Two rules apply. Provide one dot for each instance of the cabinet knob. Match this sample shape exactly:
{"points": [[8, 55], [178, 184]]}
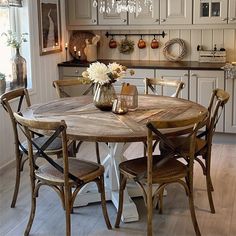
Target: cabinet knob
{"points": [[94, 21], [224, 19], [232, 19], [163, 20], [124, 20], [157, 20], [76, 72]]}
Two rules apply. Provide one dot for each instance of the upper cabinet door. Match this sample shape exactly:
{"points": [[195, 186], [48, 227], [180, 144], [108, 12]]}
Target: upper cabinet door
{"points": [[81, 12], [111, 17], [210, 11], [175, 12], [232, 12], [147, 16]]}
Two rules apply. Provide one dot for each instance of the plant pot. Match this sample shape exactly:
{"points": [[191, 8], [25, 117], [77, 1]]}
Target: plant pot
{"points": [[2, 86]]}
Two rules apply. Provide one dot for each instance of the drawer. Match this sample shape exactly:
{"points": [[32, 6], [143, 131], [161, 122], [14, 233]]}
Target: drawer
{"points": [[73, 71], [140, 73]]}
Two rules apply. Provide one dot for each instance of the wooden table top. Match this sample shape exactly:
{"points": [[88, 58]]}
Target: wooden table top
{"points": [[87, 123]]}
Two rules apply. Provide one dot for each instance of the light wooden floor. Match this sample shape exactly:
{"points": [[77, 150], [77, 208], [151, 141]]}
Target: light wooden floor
{"points": [[175, 220]]}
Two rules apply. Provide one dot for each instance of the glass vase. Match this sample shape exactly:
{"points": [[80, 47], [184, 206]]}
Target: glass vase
{"points": [[19, 73], [104, 96]]}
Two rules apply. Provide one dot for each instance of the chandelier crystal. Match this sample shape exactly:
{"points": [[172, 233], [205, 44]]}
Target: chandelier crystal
{"points": [[118, 6], [10, 3]]}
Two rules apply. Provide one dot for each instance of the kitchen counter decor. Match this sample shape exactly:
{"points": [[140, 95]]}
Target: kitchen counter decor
{"points": [[169, 44], [104, 77], [126, 46]]}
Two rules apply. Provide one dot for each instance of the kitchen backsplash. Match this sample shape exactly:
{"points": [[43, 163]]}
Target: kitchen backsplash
{"points": [[207, 38]]}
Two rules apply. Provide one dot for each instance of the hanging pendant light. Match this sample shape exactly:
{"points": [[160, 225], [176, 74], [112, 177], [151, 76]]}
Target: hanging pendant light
{"points": [[10, 3], [131, 6]]}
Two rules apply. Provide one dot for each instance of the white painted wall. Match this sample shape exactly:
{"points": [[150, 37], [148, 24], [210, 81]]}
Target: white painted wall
{"points": [[44, 68]]}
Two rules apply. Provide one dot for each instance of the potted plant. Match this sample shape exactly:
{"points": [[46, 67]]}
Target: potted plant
{"points": [[2, 83]]}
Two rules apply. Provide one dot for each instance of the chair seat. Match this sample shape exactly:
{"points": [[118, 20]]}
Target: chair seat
{"points": [[183, 144], [84, 170], [165, 170], [55, 146]]}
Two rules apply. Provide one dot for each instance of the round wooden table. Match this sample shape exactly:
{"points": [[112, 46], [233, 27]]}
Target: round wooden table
{"points": [[85, 122]]}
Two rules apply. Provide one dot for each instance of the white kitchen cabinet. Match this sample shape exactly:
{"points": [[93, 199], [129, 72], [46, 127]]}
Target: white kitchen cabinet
{"points": [[181, 75], [232, 12], [202, 83], [81, 12], [175, 12], [230, 107], [136, 79], [210, 11], [164, 12], [112, 17]]}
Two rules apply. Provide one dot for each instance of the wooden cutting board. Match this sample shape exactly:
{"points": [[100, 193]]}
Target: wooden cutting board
{"points": [[78, 39]]}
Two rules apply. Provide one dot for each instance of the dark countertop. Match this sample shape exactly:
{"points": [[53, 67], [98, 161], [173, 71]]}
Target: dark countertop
{"points": [[182, 65]]}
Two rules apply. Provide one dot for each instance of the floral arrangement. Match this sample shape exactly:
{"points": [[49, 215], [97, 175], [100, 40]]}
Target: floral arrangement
{"points": [[13, 40], [100, 73]]}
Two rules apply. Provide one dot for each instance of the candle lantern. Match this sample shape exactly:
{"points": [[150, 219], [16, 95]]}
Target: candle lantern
{"points": [[130, 94], [119, 106]]}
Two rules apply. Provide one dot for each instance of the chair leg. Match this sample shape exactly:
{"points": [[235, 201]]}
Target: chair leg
{"points": [[32, 213], [209, 185], [192, 211], [104, 205], [67, 211], [123, 181], [97, 152], [17, 181], [160, 202]]}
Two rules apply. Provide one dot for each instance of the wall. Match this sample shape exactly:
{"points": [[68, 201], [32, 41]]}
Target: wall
{"points": [[44, 71], [206, 37]]}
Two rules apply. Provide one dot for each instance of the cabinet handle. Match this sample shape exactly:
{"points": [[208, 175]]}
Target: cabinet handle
{"points": [[232, 19], [224, 19], [94, 21], [185, 74], [76, 72], [124, 20], [194, 74], [163, 20], [157, 20]]}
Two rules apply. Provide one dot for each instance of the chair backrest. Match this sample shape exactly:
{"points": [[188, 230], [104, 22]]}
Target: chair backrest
{"points": [[55, 129], [68, 87], [153, 83], [155, 131], [22, 96], [219, 98]]}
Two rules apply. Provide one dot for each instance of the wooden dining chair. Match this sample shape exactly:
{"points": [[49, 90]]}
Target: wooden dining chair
{"points": [[202, 152], [21, 97], [62, 87], [61, 174], [161, 169], [154, 83]]}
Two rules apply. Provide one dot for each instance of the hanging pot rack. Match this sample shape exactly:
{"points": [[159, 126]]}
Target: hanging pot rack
{"points": [[163, 34]]}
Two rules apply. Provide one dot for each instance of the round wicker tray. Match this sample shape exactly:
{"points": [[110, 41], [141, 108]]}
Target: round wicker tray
{"points": [[78, 39]]}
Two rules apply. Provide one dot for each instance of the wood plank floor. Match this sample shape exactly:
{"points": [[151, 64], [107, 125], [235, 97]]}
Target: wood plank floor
{"points": [[175, 220]]}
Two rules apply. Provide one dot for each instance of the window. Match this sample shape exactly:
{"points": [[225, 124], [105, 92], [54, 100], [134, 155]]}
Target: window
{"points": [[15, 19]]}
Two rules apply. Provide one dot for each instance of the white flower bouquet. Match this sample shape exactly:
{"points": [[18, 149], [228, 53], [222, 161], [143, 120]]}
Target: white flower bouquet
{"points": [[100, 73]]}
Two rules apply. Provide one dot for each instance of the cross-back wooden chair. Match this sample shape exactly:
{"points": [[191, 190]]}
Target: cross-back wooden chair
{"points": [[61, 174], [61, 86], [21, 149], [202, 152], [161, 169], [153, 83]]}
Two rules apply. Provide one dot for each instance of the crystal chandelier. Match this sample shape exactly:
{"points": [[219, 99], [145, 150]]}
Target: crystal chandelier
{"points": [[131, 6]]}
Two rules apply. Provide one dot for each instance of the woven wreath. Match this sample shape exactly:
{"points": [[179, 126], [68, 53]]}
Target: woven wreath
{"points": [[126, 46], [169, 44]]}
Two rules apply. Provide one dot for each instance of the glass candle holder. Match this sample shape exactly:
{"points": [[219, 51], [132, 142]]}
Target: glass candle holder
{"points": [[119, 106]]}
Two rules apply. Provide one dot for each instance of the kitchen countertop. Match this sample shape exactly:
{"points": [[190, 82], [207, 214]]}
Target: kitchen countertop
{"points": [[182, 65]]}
